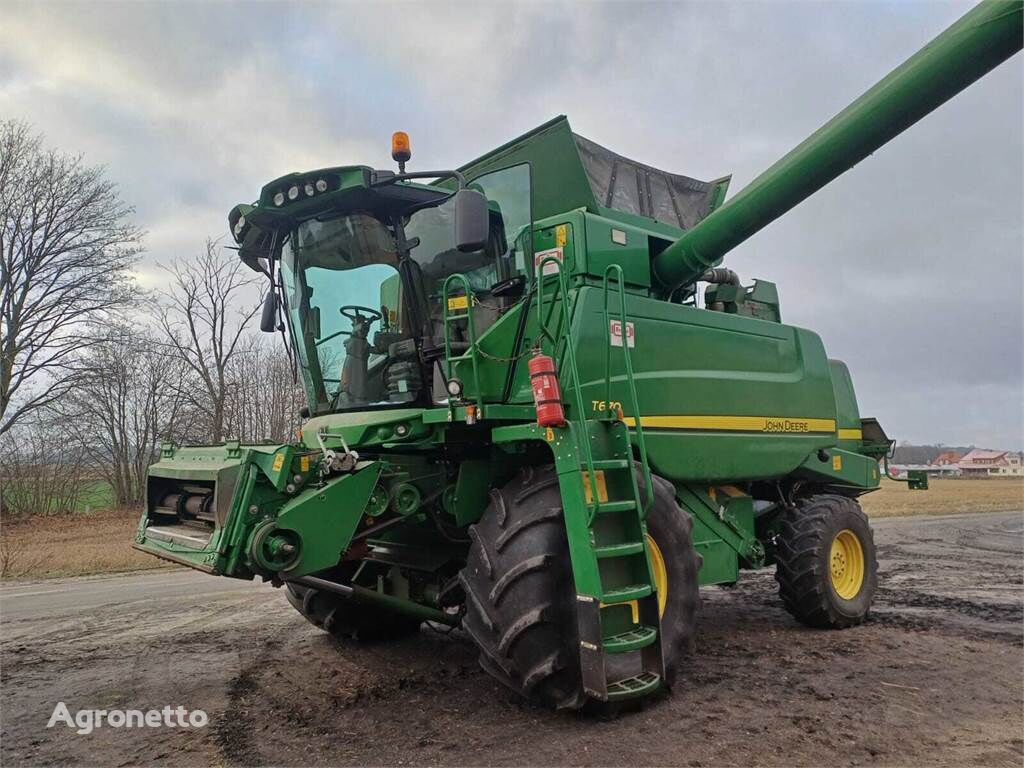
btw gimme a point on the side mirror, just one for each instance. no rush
(268, 320)
(471, 220)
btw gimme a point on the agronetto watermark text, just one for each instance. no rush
(85, 721)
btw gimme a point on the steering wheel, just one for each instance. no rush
(355, 312)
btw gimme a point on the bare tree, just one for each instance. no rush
(125, 408)
(203, 316)
(66, 249)
(265, 399)
(42, 470)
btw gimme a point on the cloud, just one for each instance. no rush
(910, 266)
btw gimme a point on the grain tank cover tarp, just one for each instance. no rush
(626, 185)
(570, 171)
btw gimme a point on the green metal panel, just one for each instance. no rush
(841, 468)
(203, 462)
(658, 228)
(730, 519)
(563, 445)
(610, 242)
(471, 491)
(720, 564)
(275, 463)
(847, 413)
(561, 235)
(724, 397)
(326, 518)
(559, 179)
(366, 428)
(981, 40)
(917, 480)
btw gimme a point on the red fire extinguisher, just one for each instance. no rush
(547, 395)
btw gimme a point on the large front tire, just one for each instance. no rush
(521, 597)
(826, 563)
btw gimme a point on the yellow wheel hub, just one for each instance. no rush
(846, 564)
(660, 574)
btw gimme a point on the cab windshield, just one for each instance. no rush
(360, 314)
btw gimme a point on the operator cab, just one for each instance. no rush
(362, 277)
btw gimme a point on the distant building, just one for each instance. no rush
(982, 463)
(948, 457)
(932, 470)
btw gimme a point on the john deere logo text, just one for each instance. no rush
(786, 425)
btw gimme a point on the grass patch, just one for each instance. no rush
(946, 496)
(49, 547)
(95, 495)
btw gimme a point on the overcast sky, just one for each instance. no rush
(909, 266)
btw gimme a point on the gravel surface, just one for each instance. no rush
(934, 678)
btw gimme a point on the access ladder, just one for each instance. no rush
(617, 599)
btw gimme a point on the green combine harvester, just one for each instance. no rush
(526, 422)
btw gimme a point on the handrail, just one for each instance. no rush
(446, 321)
(583, 434)
(630, 380)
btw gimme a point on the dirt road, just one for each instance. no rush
(934, 678)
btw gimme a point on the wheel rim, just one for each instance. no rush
(846, 564)
(660, 573)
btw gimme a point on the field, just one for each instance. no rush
(100, 542)
(946, 497)
(95, 495)
(47, 547)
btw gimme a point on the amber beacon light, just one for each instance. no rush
(400, 150)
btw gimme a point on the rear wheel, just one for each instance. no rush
(521, 597)
(344, 618)
(827, 568)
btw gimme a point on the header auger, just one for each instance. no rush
(521, 420)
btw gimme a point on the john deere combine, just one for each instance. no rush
(523, 418)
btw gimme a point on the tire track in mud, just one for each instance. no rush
(233, 731)
(969, 539)
(976, 609)
(933, 624)
(919, 572)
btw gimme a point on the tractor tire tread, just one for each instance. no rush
(520, 606)
(802, 564)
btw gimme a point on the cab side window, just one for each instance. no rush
(508, 196)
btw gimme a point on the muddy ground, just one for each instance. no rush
(934, 678)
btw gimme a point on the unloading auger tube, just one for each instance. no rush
(980, 41)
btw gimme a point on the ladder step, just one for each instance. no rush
(609, 464)
(620, 550)
(461, 316)
(460, 357)
(632, 687)
(633, 640)
(626, 594)
(615, 506)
